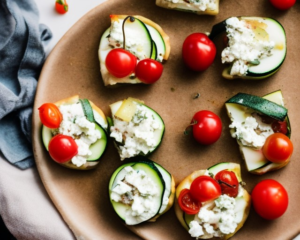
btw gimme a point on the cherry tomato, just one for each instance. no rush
(198, 51)
(270, 199)
(50, 115)
(120, 63)
(228, 182)
(62, 148)
(278, 148)
(187, 203)
(61, 6)
(283, 4)
(281, 127)
(207, 127)
(148, 70)
(205, 188)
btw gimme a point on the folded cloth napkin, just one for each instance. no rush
(21, 57)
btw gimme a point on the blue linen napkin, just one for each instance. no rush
(21, 58)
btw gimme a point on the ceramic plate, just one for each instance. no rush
(73, 68)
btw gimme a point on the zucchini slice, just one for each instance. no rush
(133, 123)
(131, 199)
(264, 29)
(255, 161)
(243, 200)
(93, 114)
(261, 105)
(155, 45)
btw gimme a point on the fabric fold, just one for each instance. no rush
(22, 55)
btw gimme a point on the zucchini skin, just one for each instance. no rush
(219, 28)
(133, 162)
(261, 105)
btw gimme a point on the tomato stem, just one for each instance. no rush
(188, 129)
(227, 184)
(132, 19)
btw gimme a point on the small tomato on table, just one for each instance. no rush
(270, 199)
(61, 6)
(198, 51)
(207, 127)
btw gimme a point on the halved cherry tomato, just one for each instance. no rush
(278, 148)
(187, 203)
(148, 70)
(61, 6)
(283, 4)
(205, 188)
(279, 126)
(198, 51)
(228, 182)
(120, 63)
(207, 127)
(270, 199)
(50, 115)
(62, 148)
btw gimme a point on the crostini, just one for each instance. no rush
(74, 131)
(141, 190)
(136, 38)
(135, 127)
(254, 47)
(213, 202)
(253, 120)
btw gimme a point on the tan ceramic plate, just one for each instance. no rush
(73, 68)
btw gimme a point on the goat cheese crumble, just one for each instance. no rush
(76, 125)
(252, 132)
(215, 218)
(139, 136)
(137, 190)
(198, 4)
(244, 47)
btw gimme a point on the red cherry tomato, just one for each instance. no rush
(187, 203)
(278, 148)
(61, 6)
(283, 4)
(205, 188)
(62, 148)
(281, 127)
(148, 70)
(120, 63)
(207, 127)
(270, 199)
(198, 51)
(50, 115)
(228, 182)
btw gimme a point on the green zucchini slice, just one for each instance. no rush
(261, 105)
(97, 149)
(128, 113)
(240, 109)
(264, 29)
(124, 209)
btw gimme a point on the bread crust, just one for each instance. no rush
(187, 7)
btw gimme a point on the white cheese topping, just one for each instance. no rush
(136, 190)
(137, 136)
(133, 43)
(244, 48)
(215, 218)
(252, 132)
(76, 125)
(197, 4)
